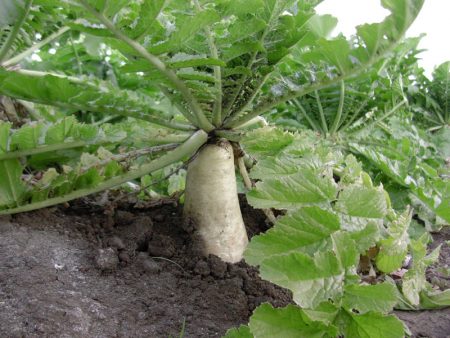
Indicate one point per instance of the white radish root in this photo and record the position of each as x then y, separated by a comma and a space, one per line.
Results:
212, 205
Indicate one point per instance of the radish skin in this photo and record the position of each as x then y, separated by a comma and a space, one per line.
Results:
212, 205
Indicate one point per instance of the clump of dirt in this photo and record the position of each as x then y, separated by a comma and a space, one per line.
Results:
87, 272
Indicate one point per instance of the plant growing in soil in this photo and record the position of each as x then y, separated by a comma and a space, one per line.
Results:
210, 61
163, 82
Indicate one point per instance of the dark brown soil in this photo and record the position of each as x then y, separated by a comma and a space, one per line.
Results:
86, 272
78, 273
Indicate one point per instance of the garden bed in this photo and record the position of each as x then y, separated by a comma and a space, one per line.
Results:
80, 272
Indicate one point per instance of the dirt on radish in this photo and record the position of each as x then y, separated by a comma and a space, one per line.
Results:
81, 272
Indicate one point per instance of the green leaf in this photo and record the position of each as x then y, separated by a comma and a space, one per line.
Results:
364, 202
305, 188
265, 142
414, 281
288, 322
394, 248
186, 29
312, 280
12, 188
325, 312
371, 325
27, 137
345, 249
242, 331
366, 298
434, 299
307, 230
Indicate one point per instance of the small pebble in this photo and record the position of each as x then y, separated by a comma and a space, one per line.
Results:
107, 259
124, 257
116, 242
147, 264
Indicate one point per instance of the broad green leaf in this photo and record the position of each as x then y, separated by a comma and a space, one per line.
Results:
325, 312
12, 188
305, 188
345, 249
414, 280
434, 299
366, 298
27, 137
266, 142
371, 325
367, 237
394, 248
305, 230
242, 331
364, 202
272, 166
186, 29
312, 280
288, 322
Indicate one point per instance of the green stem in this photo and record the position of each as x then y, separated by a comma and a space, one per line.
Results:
160, 66
16, 59
37, 73
311, 122
77, 57
185, 150
321, 113
258, 120
42, 149
338, 117
217, 109
16, 29
355, 114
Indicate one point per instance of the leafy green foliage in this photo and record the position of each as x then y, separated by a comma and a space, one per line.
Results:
409, 159
431, 99
67, 156
315, 247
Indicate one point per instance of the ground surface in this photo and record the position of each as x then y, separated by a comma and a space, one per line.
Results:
77, 272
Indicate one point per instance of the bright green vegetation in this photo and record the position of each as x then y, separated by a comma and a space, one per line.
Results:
129, 90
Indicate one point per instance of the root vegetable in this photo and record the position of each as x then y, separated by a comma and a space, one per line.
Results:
212, 204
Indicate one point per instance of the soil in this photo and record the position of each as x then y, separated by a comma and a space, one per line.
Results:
87, 271
79, 272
